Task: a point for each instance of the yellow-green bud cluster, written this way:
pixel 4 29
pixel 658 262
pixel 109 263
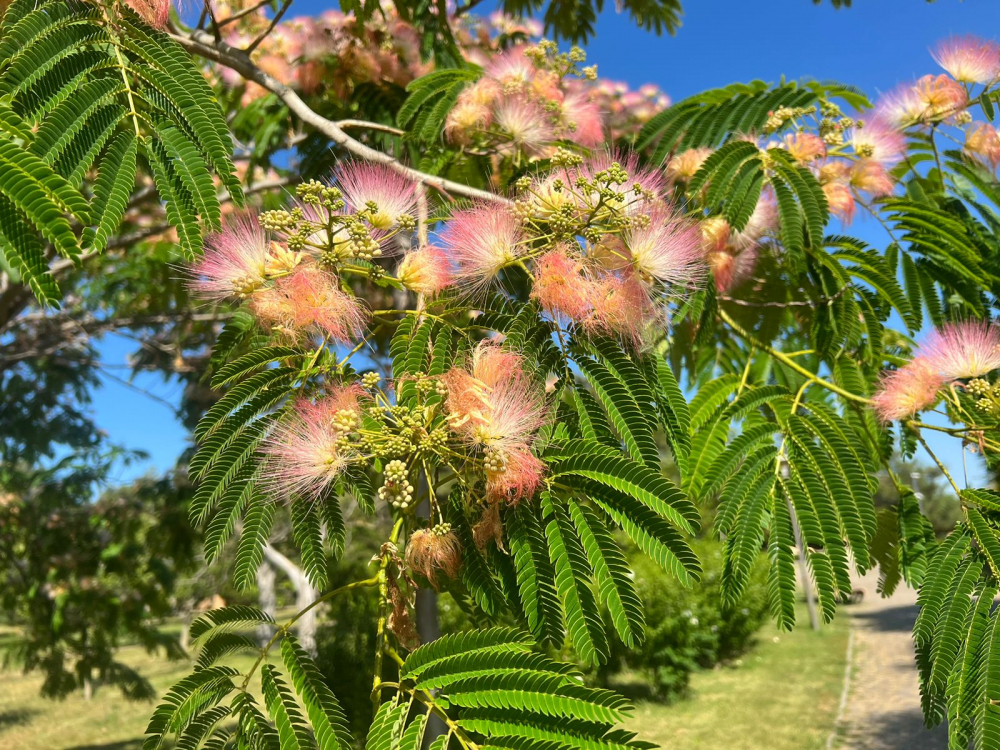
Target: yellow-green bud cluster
pixel 370 379
pixel 441 529
pixel 346 420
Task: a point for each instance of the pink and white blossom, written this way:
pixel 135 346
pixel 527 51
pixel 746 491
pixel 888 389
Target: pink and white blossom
pixel 964 350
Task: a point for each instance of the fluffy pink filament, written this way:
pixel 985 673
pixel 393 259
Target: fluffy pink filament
pixel 426 271
pixel 904 392
pixel 969 59
pixel 668 249
pixel 964 350
pixel 804 147
pixel 303 457
pixel 154 12
pixel 983 140
pixel 686 164
pixel 562 287
pixel 650 180
pixel 494 403
pixel 482 241
pixel 879 140
pixel 930 99
pixel 524 124
pixel 583 119
pixel 622 308
pixel 235 261
pixel 870 176
pixel 520 477
pixel 311 298
pixel 363 182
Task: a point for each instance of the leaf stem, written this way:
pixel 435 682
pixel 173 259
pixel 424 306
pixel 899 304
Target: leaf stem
pixel 789 362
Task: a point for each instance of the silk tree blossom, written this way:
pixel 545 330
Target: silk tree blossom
pixel 685 165
pixel 494 405
pixel 869 176
pixel 426 270
pixel 154 12
pixel 306 453
pixel 904 392
pixel 879 140
pixel 562 286
pixel 581 117
pixel 804 147
pixel 969 59
pixel 524 123
pixel 238 261
pixel 964 350
pixel 310 299
pixel 982 140
pixel 481 241
pixel 930 99
pixel 622 308
pixel 365 184
pixel 667 249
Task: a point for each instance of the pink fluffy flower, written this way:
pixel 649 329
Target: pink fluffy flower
pixel 524 124
pixel 494 405
pixel 840 200
pixel 904 392
pixel 930 99
pixel 878 140
pixel 969 59
pixel 310 299
pixel 426 271
pixel 512 70
pixel 982 140
pixel 964 350
pixel 482 241
pixel 235 261
pixel 363 182
pixel 622 308
pixel 648 180
pixel 870 176
pixel 582 118
pixel 154 12
pixel 667 249
pixel 686 164
pixel 561 286
pixel 304 458
pixel 804 147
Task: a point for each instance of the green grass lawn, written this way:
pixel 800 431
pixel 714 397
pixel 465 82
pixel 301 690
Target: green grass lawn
pixel 782 696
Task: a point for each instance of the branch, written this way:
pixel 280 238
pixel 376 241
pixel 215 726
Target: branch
pixel 202 44
pixel 344 124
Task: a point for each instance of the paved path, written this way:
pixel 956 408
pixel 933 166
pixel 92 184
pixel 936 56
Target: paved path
pixel 883 706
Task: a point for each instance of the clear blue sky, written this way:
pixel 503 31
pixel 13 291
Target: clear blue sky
pixel 874 45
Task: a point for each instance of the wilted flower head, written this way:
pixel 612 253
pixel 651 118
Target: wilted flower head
pixel 879 140
pixel 964 350
pixel 364 183
pixel 433 551
pixel 686 164
pixel 513 475
pixel 667 249
pixel 426 270
pixel 983 140
pixel 237 261
pixel 482 241
pixel 310 298
pixel 969 59
pixel 305 454
pixel 904 392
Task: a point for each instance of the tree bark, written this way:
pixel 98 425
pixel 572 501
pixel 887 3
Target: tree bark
pixel 267 597
pixel 305 595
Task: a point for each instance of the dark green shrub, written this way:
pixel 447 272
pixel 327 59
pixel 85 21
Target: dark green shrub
pixel 688 628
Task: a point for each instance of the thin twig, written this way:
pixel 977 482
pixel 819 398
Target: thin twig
pixel 274 22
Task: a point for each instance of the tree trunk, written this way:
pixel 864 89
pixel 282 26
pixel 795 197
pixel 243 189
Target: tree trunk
pixel 305 595
pixel 267 597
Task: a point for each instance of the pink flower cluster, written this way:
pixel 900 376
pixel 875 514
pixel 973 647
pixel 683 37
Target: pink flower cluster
pixel 292 287
pixel 958 351
pixel 494 405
